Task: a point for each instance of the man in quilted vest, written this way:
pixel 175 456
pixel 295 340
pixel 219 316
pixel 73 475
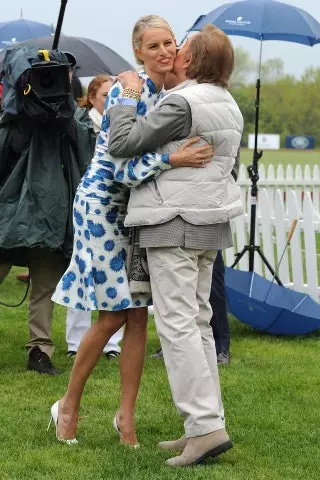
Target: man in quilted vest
pixel 184 218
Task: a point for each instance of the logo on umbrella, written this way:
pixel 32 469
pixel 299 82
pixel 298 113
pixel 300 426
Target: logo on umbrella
pixel 238 21
pixel 9 42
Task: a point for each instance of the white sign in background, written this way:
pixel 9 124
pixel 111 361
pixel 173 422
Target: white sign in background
pixel 266 141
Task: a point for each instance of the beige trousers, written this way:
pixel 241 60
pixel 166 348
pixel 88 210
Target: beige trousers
pixel 46 268
pixel 4 270
pixel 180 282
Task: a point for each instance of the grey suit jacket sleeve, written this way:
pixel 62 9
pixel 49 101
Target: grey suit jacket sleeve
pixel 131 135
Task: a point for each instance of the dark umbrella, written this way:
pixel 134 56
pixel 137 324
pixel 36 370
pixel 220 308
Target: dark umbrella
pixel 17 31
pixel 93 58
pixel 270 307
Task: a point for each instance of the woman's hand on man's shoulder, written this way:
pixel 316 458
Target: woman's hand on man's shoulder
pixel 131 79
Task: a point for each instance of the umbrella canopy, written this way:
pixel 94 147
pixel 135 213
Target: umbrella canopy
pixel 269 307
pixel 93 58
pixel 263 20
pixel 19 30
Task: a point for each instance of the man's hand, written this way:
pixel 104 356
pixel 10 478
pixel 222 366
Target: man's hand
pixel 189 156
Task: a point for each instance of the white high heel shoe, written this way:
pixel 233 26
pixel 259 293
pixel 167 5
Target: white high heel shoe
pixel 54 417
pixel 117 429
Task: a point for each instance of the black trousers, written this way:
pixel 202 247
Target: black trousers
pixel 219 321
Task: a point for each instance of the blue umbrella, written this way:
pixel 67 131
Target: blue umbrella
pixel 19 30
pixel 263 20
pixel 269 307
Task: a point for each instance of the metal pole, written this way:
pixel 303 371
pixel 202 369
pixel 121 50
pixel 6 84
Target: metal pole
pixel 253 171
pixel 260 60
pixel 59 24
pixel 257 105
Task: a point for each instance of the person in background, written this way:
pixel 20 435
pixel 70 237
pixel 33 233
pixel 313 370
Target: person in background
pixel 47 194
pixel 78 321
pixel 76 86
pixel 4 267
pixel 77 92
pixel 219 320
pixel 4 271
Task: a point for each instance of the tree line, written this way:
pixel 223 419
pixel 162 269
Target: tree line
pixel 288 106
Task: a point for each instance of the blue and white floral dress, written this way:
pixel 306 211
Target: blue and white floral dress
pixel 96 278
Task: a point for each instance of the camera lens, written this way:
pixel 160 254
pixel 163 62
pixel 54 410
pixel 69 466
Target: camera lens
pixel 46 80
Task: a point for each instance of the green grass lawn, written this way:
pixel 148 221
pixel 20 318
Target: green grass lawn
pixel 271 393
pixel 285 157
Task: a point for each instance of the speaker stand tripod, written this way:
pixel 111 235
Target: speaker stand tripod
pixel 252 248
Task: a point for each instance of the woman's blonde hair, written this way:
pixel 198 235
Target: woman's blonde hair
pixel 212 58
pixel 93 87
pixel 148 21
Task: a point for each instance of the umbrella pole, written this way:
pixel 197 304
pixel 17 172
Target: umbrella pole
pixel 290 234
pixel 254 177
pixel 59 24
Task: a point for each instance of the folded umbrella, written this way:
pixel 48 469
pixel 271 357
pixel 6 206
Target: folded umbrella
pixel 269 307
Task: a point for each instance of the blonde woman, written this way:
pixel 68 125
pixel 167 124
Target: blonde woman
pixel 96 278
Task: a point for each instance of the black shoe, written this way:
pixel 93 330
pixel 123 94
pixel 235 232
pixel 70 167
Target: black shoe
pixel 41 363
pixel 158 354
pixel 223 358
pixel 71 353
pixel 112 354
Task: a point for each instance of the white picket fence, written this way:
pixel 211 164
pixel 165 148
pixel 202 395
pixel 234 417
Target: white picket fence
pixel 299 179
pixel 284 194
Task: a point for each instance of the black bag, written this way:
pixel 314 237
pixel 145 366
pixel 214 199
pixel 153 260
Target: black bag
pixel 37 84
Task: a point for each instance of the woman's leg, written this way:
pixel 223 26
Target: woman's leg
pixel 89 352
pixel 132 357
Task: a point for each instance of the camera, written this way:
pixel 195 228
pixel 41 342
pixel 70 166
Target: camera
pixel 45 92
pixel 50 80
pixel 37 84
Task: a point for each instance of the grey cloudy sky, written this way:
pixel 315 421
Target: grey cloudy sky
pixel 111 22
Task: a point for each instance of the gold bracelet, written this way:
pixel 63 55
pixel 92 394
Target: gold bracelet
pixel 131 93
